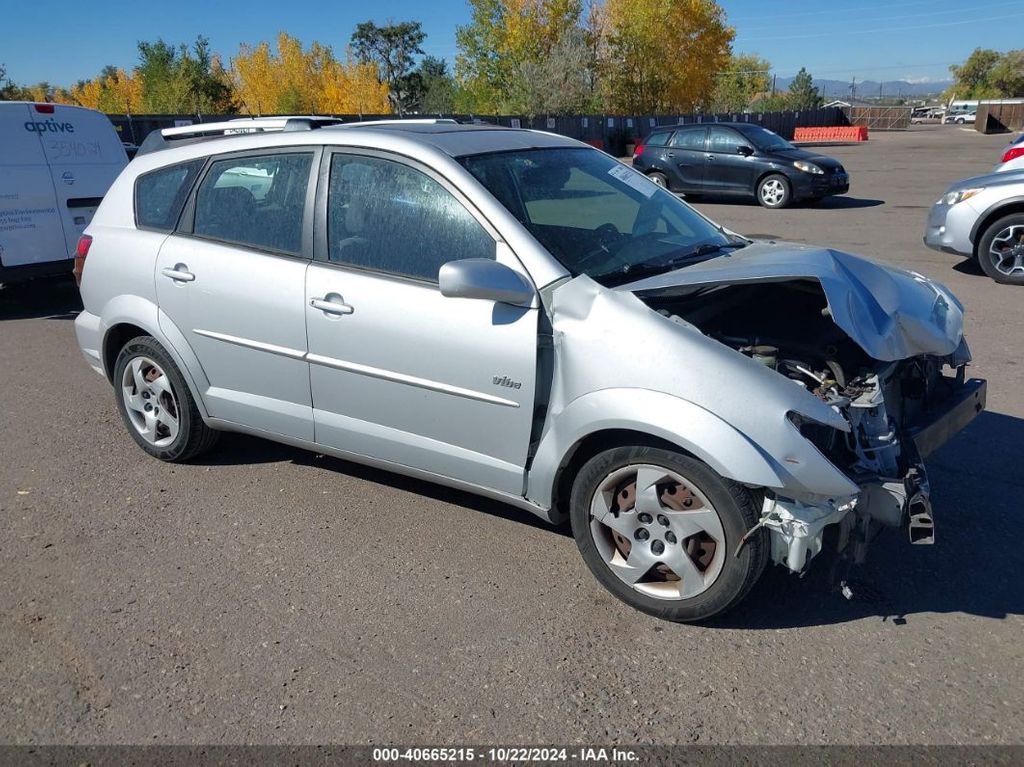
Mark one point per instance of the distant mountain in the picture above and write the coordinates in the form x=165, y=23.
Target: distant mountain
x=837, y=89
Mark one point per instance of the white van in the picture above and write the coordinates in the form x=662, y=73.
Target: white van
x=56, y=163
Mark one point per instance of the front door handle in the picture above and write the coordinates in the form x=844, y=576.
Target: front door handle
x=332, y=303
x=178, y=273
x=710, y=156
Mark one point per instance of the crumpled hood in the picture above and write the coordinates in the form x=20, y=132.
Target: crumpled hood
x=891, y=313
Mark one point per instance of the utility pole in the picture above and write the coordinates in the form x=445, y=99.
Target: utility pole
x=853, y=88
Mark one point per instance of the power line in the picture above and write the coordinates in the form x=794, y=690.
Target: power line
x=876, y=30
x=887, y=19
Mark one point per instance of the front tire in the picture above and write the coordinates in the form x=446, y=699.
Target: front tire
x=156, y=405
x=774, y=191
x=660, y=530
x=1001, y=250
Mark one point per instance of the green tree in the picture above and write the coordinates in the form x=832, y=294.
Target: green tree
x=1007, y=76
x=391, y=48
x=9, y=91
x=747, y=78
x=802, y=92
x=183, y=79
x=973, y=78
x=436, y=86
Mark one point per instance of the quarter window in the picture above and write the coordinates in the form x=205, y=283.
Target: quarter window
x=255, y=201
x=160, y=195
x=657, y=139
x=388, y=217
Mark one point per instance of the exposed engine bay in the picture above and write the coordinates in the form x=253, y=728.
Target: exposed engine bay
x=787, y=327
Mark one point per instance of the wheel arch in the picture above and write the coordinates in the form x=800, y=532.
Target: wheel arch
x=639, y=417
x=992, y=214
x=128, y=317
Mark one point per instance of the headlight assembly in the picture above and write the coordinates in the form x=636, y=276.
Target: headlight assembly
x=959, y=195
x=808, y=167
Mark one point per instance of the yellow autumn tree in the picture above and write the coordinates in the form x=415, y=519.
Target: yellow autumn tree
x=291, y=80
x=663, y=55
x=88, y=93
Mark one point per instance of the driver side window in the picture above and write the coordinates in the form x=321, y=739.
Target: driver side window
x=389, y=217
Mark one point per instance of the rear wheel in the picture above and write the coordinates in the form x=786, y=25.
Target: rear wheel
x=660, y=531
x=156, y=404
x=1001, y=250
x=773, y=191
x=658, y=178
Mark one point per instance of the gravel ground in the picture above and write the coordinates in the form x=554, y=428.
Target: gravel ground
x=266, y=594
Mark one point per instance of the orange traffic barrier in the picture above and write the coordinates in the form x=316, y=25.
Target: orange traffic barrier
x=832, y=133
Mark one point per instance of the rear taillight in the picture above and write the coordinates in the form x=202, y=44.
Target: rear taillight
x=1013, y=152
x=639, y=150
x=81, y=251
x=46, y=109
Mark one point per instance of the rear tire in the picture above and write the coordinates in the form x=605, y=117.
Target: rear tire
x=156, y=404
x=660, y=531
x=774, y=191
x=1001, y=250
x=658, y=178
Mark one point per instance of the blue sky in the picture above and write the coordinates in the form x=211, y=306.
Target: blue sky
x=61, y=41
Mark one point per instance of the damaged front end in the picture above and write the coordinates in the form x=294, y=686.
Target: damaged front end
x=881, y=347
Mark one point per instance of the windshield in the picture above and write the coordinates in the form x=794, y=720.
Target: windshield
x=595, y=215
x=767, y=141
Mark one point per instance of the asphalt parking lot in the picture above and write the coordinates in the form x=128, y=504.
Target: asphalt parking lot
x=266, y=594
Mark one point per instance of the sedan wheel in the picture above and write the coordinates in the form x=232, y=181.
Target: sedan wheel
x=1001, y=250
x=661, y=531
x=659, y=178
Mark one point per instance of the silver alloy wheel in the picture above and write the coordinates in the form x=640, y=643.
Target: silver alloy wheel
x=773, y=191
x=657, y=179
x=657, y=532
x=1007, y=250
x=150, y=402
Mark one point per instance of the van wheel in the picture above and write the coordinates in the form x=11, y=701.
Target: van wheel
x=1001, y=250
x=773, y=191
x=660, y=531
x=156, y=404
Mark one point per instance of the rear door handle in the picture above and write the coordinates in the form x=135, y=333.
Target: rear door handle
x=710, y=156
x=332, y=303
x=178, y=273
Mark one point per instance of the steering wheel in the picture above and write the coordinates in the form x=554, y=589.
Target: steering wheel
x=607, y=235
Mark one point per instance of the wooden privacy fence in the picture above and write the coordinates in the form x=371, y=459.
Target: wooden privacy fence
x=609, y=132
x=879, y=118
x=999, y=118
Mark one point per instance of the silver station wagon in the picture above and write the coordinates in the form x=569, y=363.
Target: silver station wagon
x=519, y=315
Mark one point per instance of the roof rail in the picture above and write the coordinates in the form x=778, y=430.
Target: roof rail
x=405, y=121
x=165, y=138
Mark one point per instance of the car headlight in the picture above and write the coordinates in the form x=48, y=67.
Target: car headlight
x=959, y=195
x=808, y=167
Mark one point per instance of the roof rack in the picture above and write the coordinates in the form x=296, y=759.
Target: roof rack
x=165, y=138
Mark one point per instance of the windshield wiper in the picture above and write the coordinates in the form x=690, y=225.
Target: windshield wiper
x=636, y=271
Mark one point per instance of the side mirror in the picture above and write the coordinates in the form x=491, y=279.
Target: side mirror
x=744, y=150
x=486, y=279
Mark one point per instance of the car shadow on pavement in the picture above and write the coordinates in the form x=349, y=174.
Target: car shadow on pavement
x=54, y=298
x=976, y=566
x=236, y=449
x=826, y=203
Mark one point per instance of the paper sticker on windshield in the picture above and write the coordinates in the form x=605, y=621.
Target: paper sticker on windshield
x=633, y=179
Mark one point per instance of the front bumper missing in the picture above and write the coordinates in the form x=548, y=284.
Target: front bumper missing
x=797, y=528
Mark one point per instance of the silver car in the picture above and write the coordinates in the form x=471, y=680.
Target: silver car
x=983, y=217
x=519, y=315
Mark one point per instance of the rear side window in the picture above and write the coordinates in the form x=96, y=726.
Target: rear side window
x=160, y=195
x=658, y=139
x=257, y=201
x=691, y=138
